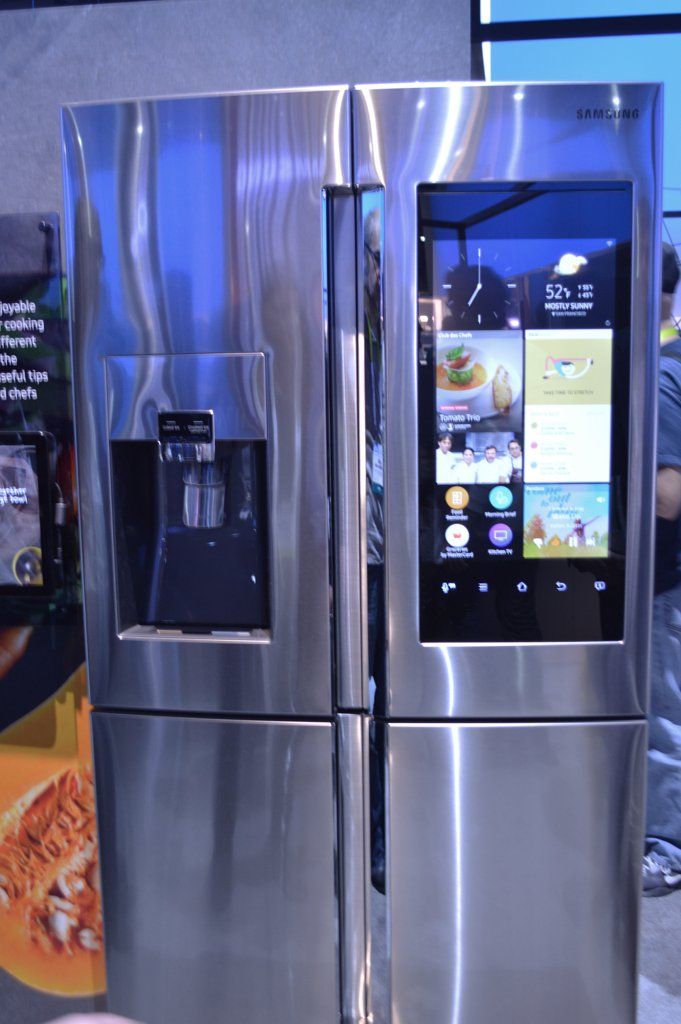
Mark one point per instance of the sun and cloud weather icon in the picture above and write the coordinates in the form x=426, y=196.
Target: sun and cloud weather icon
x=569, y=264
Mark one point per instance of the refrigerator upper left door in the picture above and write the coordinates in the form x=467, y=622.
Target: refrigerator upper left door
x=195, y=244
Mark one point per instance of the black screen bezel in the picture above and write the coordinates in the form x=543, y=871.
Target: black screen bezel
x=503, y=614
x=43, y=444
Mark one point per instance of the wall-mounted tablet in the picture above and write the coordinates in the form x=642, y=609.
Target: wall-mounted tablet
x=523, y=350
x=25, y=513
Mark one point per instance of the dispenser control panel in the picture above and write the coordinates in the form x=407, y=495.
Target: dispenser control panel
x=523, y=365
x=187, y=436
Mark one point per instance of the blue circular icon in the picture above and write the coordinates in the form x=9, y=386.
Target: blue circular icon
x=500, y=498
x=501, y=535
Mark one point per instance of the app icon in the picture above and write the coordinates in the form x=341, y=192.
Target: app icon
x=456, y=497
x=446, y=587
x=560, y=586
x=522, y=587
x=457, y=535
x=600, y=585
x=500, y=535
x=483, y=587
x=500, y=498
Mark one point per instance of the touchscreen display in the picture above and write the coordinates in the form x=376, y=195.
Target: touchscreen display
x=523, y=331
x=20, y=533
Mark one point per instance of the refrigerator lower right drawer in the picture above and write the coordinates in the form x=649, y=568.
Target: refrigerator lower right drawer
x=514, y=871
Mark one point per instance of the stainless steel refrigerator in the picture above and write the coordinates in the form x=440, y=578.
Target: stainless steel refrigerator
x=364, y=386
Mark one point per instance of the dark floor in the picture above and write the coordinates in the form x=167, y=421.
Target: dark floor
x=20, y=1004
x=659, y=1000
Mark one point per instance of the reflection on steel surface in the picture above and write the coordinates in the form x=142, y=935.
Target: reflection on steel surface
x=232, y=385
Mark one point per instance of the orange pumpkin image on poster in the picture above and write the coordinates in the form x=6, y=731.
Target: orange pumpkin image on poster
x=50, y=906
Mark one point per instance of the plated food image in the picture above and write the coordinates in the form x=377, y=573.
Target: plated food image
x=502, y=391
x=50, y=908
x=479, y=386
x=461, y=368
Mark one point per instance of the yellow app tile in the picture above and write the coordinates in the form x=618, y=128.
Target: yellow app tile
x=568, y=367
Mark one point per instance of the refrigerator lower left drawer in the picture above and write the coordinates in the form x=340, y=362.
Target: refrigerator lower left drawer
x=217, y=848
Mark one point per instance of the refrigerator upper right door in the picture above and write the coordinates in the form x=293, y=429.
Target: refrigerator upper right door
x=521, y=238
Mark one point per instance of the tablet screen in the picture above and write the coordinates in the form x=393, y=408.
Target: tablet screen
x=523, y=365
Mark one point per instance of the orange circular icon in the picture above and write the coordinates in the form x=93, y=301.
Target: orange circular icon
x=456, y=497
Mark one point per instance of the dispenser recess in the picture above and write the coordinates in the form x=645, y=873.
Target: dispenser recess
x=191, y=540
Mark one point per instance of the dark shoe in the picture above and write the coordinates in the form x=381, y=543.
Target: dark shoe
x=659, y=877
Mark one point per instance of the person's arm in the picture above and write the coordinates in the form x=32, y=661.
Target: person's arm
x=668, y=492
x=668, y=481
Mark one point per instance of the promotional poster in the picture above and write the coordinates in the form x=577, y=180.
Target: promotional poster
x=51, y=945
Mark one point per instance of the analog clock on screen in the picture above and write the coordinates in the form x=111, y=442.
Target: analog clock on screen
x=475, y=294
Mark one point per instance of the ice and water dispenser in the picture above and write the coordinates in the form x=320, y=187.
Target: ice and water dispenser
x=188, y=438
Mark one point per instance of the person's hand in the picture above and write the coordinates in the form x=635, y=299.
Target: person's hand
x=13, y=643
x=92, y=1018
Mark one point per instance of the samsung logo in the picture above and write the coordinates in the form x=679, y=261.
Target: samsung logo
x=607, y=113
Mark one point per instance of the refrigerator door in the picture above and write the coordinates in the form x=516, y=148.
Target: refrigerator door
x=515, y=864
x=218, y=843
x=195, y=233
x=429, y=141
